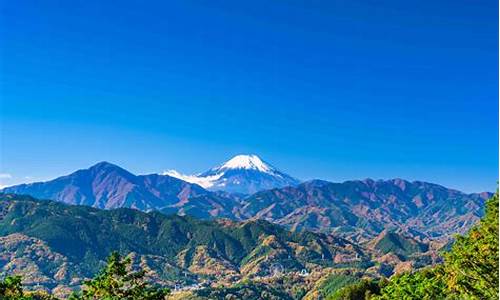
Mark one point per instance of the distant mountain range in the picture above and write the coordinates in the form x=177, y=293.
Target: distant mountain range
x=358, y=210
x=244, y=174
x=363, y=209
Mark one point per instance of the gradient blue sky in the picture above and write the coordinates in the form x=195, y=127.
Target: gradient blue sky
x=335, y=90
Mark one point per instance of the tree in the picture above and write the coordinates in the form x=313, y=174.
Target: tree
x=116, y=281
x=427, y=284
x=357, y=291
x=472, y=263
x=11, y=288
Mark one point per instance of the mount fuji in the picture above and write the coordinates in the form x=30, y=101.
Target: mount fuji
x=244, y=174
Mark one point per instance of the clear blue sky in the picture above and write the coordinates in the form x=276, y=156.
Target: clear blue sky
x=335, y=90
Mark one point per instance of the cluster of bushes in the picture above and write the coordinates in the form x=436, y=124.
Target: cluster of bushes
x=470, y=270
x=116, y=281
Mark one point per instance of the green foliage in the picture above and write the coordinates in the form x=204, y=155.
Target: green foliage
x=363, y=289
x=11, y=288
x=428, y=284
x=298, y=292
x=335, y=282
x=116, y=281
x=472, y=263
x=393, y=242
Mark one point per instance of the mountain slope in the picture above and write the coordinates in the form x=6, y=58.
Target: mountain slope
x=244, y=174
x=105, y=185
x=470, y=269
x=363, y=209
x=392, y=242
x=171, y=247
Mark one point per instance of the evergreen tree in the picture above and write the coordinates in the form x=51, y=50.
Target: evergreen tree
x=117, y=282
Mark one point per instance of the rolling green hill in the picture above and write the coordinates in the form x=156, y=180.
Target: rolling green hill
x=392, y=242
x=56, y=246
x=63, y=244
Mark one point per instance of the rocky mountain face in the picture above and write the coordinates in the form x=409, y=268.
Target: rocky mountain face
x=243, y=174
x=58, y=245
x=363, y=209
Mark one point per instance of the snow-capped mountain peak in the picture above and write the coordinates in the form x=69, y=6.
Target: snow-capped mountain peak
x=248, y=162
x=242, y=174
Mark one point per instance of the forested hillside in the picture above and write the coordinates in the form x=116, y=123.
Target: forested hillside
x=470, y=270
x=57, y=246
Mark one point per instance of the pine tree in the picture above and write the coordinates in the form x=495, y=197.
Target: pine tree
x=116, y=281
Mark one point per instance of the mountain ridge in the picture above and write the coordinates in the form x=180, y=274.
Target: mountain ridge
x=356, y=209
x=366, y=207
x=106, y=185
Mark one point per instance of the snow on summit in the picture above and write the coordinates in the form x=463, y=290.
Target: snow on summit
x=242, y=174
x=246, y=162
